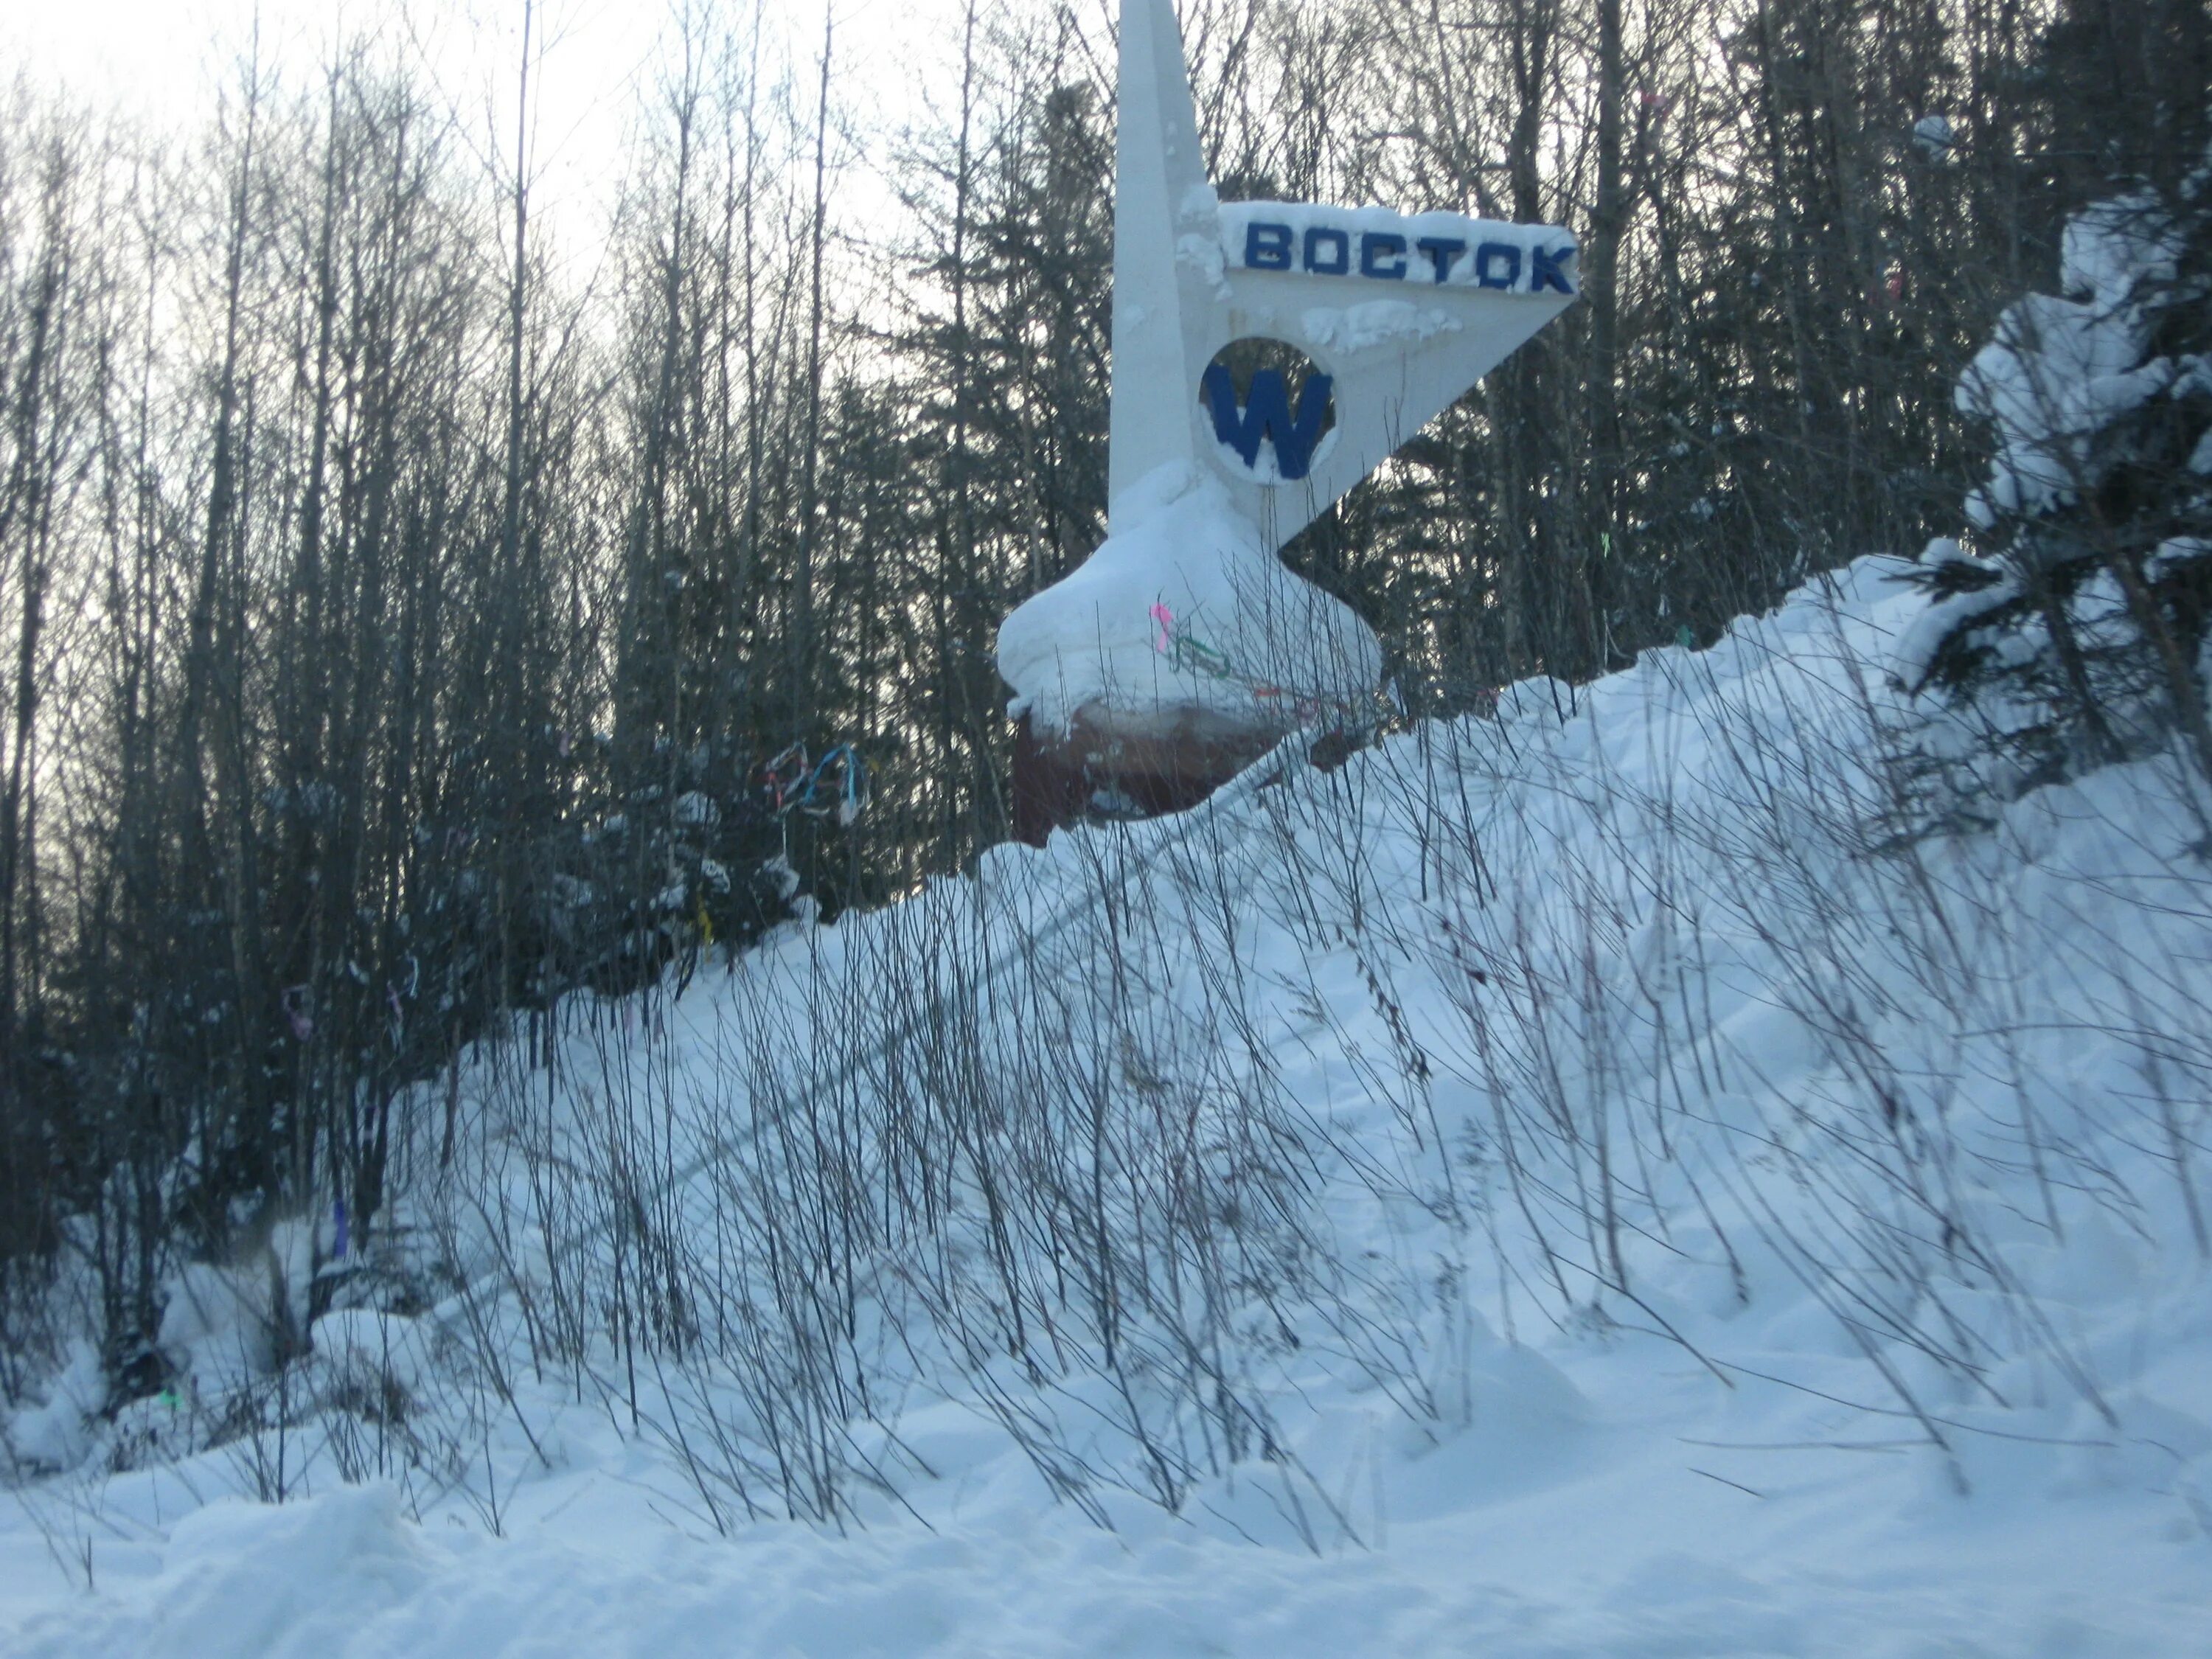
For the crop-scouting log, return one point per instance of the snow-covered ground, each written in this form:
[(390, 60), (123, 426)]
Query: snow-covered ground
[(1614, 1179)]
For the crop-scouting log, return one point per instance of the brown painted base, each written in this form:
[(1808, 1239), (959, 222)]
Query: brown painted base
[(1099, 771)]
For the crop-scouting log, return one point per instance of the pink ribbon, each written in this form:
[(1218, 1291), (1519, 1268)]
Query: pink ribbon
[(1165, 619)]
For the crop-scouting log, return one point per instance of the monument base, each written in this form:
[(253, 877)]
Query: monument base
[(1115, 767)]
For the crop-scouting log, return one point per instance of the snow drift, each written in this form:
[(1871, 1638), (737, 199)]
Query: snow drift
[(1602, 1180), (1184, 609)]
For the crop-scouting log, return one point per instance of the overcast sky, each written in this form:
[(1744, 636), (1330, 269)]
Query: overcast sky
[(163, 59)]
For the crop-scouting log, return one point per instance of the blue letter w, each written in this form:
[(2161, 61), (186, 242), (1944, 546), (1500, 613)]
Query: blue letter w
[(1268, 416)]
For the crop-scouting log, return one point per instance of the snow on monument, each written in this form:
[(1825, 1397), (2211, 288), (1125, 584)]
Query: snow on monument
[(1266, 357)]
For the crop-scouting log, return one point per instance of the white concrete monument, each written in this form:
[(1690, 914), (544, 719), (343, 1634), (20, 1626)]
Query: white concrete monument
[(1267, 356)]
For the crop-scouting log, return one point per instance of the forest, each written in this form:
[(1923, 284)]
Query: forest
[(409, 624)]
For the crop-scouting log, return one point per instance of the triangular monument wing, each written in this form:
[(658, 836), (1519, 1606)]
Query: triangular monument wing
[(1402, 312)]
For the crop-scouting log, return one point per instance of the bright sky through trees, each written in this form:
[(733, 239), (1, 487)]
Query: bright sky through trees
[(165, 60)]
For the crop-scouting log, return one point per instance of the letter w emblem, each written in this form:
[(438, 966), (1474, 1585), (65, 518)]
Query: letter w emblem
[(1268, 416)]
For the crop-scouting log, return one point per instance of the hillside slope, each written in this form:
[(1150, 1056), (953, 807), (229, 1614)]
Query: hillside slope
[(1610, 1179)]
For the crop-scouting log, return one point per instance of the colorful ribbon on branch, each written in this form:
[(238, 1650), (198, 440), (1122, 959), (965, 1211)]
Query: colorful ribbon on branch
[(836, 786)]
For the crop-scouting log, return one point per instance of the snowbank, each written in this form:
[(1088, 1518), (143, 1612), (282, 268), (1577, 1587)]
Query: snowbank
[(1184, 608), (1755, 1232)]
